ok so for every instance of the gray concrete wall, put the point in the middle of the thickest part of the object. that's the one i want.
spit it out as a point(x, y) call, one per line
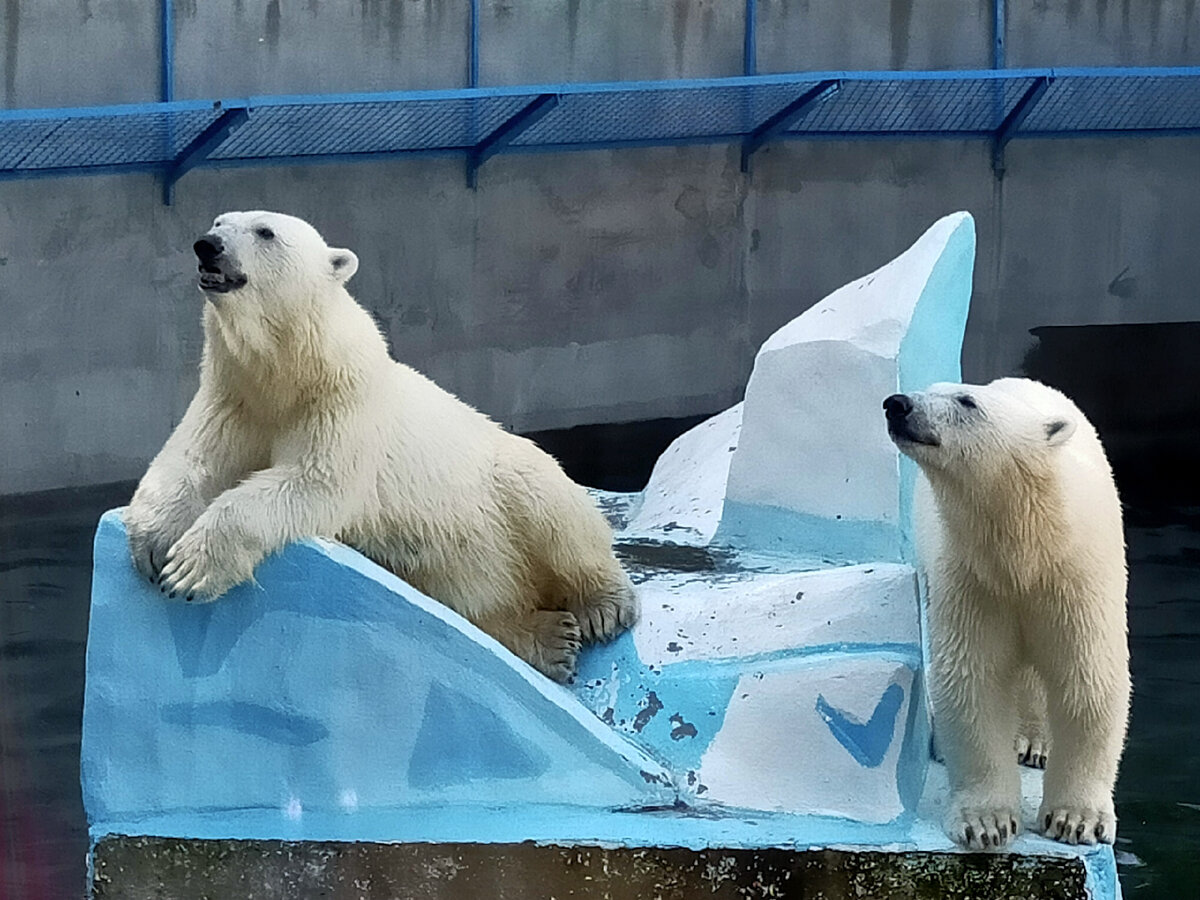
point(569, 288)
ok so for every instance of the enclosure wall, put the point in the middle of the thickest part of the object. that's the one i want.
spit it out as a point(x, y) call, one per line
point(572, 288)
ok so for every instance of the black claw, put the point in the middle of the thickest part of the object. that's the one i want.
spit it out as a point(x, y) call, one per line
point(171, 596)
point(1079, 830)
point(985, 839)
point(1013, 823)
point(1046, 824)
point(970, 833)
point(1099, 832)
point(1003, 834)
point(1062, 830)
point(189, 598)
point(1042, 761)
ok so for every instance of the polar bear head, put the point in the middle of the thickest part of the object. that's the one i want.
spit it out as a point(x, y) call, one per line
point(267, 256)
point(977, 430)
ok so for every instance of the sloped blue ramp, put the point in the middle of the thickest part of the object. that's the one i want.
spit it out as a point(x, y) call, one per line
point(328, 693)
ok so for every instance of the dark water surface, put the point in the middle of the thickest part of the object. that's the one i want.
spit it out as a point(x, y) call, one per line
point(45, 577)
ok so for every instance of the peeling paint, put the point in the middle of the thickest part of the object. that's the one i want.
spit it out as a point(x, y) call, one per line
point(648, 712)
point(681, 728)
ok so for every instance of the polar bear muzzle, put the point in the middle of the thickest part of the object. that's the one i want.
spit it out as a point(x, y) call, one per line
point(218, 274)
point(906, 423)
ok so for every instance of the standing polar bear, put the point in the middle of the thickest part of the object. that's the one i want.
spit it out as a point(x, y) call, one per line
point(1018, 531)
point(304, 426)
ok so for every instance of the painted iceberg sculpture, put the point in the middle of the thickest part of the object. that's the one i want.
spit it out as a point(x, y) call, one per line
point(770, 696)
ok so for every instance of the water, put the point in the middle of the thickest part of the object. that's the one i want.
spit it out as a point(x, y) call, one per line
point(45, 574)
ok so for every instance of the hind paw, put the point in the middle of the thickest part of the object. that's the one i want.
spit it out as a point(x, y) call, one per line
point(603, 616)
point(556, 643)
point(1032, 751)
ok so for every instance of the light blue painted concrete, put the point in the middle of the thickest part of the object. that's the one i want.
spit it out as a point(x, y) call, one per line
point(674, 711)
point(813, 475)
point(772, 530)
point(868, 741)
point(931, 350)
point(329, 687)
point(330, 701)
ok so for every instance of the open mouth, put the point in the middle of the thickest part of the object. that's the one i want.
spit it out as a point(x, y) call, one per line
point(216, 281)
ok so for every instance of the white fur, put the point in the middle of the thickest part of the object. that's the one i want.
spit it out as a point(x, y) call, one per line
point(304, 426)
point(1019, 534)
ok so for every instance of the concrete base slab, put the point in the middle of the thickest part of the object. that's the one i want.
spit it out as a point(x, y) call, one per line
point(140, 868)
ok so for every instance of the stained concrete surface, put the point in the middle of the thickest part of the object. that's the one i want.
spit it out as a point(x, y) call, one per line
point(144, 868)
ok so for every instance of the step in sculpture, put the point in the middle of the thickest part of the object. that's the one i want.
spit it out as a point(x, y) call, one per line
point(328, 728)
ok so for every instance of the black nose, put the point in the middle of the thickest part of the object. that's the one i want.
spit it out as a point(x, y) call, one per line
point(208, 248)
point(897, 407)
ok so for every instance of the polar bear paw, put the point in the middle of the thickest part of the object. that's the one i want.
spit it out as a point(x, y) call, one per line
point(1032, 751)
point(984, 827)
point(607, 613)
point(197, 567)
point(152, 531)
point(1078, 824)
point(556, 639)
point(149, 550)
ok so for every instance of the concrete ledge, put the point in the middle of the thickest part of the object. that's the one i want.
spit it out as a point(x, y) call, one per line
point(139, 868)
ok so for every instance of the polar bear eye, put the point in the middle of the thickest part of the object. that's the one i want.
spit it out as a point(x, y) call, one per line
point(264, 232)
point(965, 402)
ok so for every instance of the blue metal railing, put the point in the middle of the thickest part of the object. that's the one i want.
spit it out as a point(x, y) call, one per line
point(997, 105)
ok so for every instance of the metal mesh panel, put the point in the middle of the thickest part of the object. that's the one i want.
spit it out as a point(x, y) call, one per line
point(956, 106)
point(865, 105)
point(1117, 103)
point(86, 141)
point(668, 115)
point(348, 128)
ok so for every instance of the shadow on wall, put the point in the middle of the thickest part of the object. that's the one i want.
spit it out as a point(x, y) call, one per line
point(613, 457)
point(1137, 385)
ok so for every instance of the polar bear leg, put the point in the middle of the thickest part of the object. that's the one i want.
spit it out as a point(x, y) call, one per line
point(1033, 735)
point(568, 540)
point(244, 524)
point(1088, 705)
point(548, 640)
point(206, 454)
point(975, 714)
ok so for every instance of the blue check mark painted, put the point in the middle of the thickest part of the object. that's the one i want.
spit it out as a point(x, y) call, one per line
point(867, 742)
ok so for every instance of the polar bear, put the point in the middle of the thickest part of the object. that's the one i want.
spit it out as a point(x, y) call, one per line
point(1019, 537)
point(303, 425)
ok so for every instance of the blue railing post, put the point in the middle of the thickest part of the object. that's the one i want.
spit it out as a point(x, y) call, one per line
point(999, 26)
point(786, 118)
point(505, 133)
point(1008, 128)
point(203, 144)
point(473, 46)
point(166, 53)
point(750, 39)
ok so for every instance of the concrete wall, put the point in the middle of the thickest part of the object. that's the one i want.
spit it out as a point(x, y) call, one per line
point(569, 288)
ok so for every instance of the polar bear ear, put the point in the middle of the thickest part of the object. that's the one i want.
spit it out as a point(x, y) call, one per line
point(1059, 431)
point(342, 264)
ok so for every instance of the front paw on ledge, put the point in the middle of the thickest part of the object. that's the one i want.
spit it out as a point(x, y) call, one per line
point(1078, 824)
point(984, 827)
point(196, 571)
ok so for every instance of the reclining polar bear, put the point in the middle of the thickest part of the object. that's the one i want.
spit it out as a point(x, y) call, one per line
point(304, 426)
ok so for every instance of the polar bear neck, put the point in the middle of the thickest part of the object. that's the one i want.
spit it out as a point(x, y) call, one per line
point(1014, 514)
point(319, 348)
